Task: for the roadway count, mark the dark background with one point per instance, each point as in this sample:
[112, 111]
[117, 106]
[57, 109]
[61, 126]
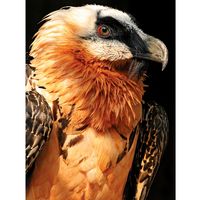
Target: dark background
[156, 18]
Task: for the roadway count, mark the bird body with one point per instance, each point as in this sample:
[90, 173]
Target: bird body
[84, 69]
[89, 174]
[104, 137]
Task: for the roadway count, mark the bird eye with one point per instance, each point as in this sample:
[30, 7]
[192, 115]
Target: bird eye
[103, 31]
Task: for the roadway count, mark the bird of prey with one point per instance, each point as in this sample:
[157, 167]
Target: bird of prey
[88, 134]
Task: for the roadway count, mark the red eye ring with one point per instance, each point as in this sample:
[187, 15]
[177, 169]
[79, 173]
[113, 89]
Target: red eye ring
[103, 31]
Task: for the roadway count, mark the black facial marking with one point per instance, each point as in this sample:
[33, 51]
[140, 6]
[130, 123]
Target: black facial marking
[123, 33]
[118, 30]
[110, 21]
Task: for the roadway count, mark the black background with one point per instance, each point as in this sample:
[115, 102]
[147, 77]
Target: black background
[156, 18]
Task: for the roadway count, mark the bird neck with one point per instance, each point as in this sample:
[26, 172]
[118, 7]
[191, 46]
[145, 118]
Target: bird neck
[103, 98]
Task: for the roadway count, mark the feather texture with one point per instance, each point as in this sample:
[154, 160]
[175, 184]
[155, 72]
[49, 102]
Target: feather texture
[151, 144]
[39, 122]
[91, 104]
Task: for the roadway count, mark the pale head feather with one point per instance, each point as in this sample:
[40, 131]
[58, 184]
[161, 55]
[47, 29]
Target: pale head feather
[69, 71]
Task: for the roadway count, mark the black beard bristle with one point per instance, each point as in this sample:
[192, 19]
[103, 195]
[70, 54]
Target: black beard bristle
[137, 68]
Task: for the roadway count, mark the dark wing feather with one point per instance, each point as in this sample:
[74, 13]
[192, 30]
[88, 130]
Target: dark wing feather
[39, 122]
[150, 147]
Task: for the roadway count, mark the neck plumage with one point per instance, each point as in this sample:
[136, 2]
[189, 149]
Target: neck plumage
[103, 98]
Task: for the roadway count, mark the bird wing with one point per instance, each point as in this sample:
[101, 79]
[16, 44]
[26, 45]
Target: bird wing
[150, 147]
[39, 122]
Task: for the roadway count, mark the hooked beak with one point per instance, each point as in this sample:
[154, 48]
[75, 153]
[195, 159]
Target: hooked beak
[156, 51]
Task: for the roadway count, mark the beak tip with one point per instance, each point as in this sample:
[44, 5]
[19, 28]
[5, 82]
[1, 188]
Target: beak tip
[158, 51]
[165, 59]
[164, 64]
[163, 67]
